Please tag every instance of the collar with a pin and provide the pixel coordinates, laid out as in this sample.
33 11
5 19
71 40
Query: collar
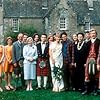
43 42
93 40
19 42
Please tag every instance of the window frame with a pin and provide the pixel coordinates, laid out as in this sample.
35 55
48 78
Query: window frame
87 26
64 22
15 24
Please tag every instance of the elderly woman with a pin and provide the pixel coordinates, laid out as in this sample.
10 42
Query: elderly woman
30 56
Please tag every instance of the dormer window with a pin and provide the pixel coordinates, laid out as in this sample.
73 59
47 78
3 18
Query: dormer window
87 26
90 4
44 4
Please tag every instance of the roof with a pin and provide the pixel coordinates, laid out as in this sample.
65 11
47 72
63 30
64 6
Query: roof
0 2
82 10
33 8
22 8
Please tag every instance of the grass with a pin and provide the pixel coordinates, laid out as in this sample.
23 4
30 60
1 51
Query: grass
44 95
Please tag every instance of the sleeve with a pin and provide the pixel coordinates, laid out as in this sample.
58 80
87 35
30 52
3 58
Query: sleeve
14 54
36 54
25 53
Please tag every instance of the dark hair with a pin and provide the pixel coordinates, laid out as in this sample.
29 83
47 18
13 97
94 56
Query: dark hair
25 34
86 32
44 34
54 34
35 35
80 34
64 33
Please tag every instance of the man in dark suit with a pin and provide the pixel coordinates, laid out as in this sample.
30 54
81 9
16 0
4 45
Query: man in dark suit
17 54
42 62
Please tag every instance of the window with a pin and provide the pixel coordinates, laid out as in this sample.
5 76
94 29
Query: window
87 26
15 25
63 23
44 4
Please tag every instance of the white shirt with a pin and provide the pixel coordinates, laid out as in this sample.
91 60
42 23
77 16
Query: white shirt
43 45
93 40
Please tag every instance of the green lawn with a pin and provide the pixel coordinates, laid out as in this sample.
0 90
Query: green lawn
44 95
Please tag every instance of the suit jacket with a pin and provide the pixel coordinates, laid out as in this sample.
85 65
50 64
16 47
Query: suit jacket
68 51
97 44
30 52
17 52
46 51
98 59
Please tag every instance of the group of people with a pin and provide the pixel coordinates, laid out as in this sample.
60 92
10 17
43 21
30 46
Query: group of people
53 60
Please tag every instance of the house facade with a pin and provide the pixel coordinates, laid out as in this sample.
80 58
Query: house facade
49 16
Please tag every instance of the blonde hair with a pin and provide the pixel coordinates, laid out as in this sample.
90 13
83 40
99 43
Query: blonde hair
29 38
58 35
9 38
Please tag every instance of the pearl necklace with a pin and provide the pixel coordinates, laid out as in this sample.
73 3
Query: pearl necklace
80 46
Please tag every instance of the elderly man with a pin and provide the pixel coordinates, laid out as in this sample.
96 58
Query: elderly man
17 53
91 72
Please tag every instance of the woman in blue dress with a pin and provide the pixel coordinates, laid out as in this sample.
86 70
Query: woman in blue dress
30 56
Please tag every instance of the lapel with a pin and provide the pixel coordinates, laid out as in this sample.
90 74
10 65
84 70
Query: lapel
40 49
96 44
18 44
45 50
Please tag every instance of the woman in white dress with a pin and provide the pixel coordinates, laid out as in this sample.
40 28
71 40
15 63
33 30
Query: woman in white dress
56 60
30 56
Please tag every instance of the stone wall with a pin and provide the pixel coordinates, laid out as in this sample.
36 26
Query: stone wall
53 18
37 23
1 25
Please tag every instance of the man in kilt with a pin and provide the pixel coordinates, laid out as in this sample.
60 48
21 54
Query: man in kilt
98 67
91 72
42 62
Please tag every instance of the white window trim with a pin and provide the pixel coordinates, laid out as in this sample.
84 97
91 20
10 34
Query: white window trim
89 26
63 23
17 30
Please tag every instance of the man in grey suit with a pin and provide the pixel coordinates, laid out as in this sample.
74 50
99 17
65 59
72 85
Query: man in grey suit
17 54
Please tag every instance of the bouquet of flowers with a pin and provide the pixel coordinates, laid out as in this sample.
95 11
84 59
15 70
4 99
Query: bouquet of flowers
58 72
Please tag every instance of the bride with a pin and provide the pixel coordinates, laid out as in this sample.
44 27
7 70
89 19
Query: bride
56 63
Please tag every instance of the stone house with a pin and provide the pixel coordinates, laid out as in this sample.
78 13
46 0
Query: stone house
50 16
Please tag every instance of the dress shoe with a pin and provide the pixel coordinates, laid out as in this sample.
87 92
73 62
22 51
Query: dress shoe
1 90
94 93
27 89
38 88
31 89
44 88
85 92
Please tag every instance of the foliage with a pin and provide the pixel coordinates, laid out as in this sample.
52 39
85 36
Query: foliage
29 29
57 72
